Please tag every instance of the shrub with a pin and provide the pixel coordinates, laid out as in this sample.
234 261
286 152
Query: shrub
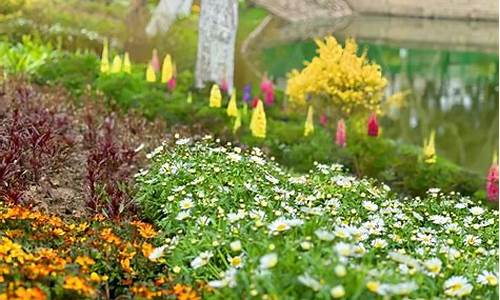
250 228
345 81
75 72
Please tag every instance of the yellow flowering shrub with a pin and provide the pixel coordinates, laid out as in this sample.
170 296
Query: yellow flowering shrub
346 80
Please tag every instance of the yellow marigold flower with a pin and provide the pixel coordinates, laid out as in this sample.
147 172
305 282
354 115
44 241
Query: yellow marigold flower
30 294
146 249
77 284
84 261
125 263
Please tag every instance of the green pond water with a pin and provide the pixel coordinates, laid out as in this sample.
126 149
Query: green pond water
453 88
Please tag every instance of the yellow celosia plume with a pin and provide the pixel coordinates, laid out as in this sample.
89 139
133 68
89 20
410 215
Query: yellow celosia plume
167 69
150 74
126 66
215 96
258 121
116 67
430 149
190 98
105 58
232 108
309 125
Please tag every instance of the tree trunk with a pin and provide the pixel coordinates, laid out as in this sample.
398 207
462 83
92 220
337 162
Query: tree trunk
216 42
165 15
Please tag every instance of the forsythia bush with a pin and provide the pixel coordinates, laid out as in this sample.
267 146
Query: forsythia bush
347 81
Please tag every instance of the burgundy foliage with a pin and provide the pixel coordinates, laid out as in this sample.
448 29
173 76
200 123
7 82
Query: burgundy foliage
34 141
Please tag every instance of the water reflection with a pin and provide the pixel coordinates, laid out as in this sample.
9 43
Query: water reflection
451 71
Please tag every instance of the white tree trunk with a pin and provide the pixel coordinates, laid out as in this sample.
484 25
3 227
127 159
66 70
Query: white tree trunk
165 15
216 41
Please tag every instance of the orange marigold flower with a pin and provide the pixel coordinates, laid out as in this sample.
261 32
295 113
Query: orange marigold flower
77 284
108 236
146 249
29 294
145 230
84 261
125 263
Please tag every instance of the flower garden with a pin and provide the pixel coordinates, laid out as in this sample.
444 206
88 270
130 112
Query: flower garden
122 180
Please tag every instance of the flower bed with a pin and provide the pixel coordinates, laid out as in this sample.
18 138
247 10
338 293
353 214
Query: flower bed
249 228
45 257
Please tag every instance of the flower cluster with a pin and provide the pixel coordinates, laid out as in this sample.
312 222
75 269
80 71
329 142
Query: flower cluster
46 257
347 81
246 226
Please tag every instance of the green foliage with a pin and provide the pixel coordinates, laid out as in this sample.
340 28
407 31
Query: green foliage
26 56
208 196
73 71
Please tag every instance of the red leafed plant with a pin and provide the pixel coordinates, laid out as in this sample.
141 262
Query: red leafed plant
34 141
108 169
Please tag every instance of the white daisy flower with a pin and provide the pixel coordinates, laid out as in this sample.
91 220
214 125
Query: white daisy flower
235 246
457 286
236 261
282 224
472 240
337 292
309 281
183 215
186 203
201 259
228 280
324 235
379 243
369 205
433 266
487 278
157 252
268 261
476 210
234 157
343 249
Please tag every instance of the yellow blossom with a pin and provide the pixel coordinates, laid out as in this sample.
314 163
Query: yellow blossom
215 96
430 149
116 67
258 121
126 66
167 69
105 58
309 126
150 74
347 80
232 108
